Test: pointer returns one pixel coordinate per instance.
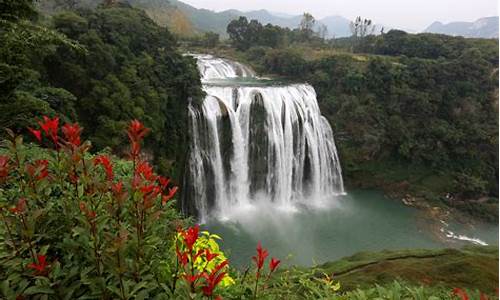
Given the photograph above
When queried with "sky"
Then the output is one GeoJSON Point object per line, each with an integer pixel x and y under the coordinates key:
{"type": "Point", "coordinates": [404, 14]}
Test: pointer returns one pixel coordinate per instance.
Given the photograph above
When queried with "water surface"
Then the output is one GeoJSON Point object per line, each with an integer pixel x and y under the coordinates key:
{"type": "Point", "coordinates": [362, 220]}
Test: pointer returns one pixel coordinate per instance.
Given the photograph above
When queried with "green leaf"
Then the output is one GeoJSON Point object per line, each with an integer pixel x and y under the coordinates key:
{"type": "Point", "coordinates": [139, 286]}
{"type": "Point", "coordinates": [33, 290]}
{"type": "Point", "coordinates": [6, 290]}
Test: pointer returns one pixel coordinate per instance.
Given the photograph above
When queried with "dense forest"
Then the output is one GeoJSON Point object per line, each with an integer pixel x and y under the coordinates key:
{"type": "Point", "coordinates": [98, 67]}
{"type": "Point", "coordinates": [415, 114]}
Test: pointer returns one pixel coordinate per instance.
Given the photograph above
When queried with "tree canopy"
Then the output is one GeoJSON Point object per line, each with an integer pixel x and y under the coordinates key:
{"type": "Point", "coordinates": [100, 68]}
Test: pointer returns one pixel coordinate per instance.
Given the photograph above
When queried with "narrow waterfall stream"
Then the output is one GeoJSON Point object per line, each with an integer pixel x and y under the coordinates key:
{"type": "Point", "coordinates": [257, 143]}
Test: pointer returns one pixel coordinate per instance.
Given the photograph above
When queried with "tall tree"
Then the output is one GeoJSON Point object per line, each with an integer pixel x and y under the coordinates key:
{"type": "Point", "coordinates": [322, 31]}
{"type": "Point", "coordinates": [306, 26]}
{"type": "Point", "coordinates": [361, 27]}
{"type": "Point", "coordinates": [237, 30]}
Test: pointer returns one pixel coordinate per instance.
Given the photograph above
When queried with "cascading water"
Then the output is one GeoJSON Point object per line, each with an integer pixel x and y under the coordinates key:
{"type": "Point", "coordinates": [219, 68]}
{"type": "Point", "coordinates": [257, 143]}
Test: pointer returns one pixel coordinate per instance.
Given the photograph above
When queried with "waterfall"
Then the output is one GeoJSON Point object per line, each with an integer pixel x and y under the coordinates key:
{"type": "Point", "coordinates": [257, 143]}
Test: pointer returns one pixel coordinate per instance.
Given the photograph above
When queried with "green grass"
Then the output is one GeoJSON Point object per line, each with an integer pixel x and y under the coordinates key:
{"type": "Point", "coordinates": [471, 267]}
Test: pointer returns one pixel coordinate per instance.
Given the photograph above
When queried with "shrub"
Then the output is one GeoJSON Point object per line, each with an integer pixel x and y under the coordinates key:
{"type": "Point", "coordinates": [77, 224]}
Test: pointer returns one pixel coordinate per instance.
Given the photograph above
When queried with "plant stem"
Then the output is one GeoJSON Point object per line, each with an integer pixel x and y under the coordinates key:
{"type": "Point", "coordinates": [30, 245]}
{"type": "Point", "coordinates": [122, 290]}
{"type": "Point", "coordinates": [256, 286]}
{"type": "Point", "coordinates": [9, 233]}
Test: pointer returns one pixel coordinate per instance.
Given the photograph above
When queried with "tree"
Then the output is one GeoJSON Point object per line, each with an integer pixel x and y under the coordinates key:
{"type": "Point", "coordinates": [361, 28]}
{"type": "Point", "coordinates": [306, 26]}
{"type": "Point", "coordinates": [66, 4]}
{"type": "Point", "coordinates": [13, 10]}
{"type": "Point", "coordinates": [272, 36]}
{"type": "Point", "coordinates": [322, 31]}
{"type": "Point", "coordinates": [253, 33]}
{"type": "Point", "coordinates": [237, 30]}
{"type": "Point", "coordinates": [211, 39]}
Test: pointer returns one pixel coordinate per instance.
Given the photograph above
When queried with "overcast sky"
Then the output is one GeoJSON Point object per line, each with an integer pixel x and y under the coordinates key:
{"type": "Point", "coordinates": [405, 14]}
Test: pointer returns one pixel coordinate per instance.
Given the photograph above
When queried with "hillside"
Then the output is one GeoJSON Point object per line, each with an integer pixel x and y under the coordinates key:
{"type": "Point", "coordinates": [469, 267]}
{"type": "Point", "coordinates": [481, 28]}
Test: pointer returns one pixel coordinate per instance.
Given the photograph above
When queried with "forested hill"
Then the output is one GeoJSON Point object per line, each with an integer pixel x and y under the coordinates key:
{"type": "Point", "coordinates": [99, 67]}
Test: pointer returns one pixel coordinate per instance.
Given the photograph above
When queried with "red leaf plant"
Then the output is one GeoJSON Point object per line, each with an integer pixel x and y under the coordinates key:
{"type": "Point", "coordinates": [213, 279]}
{"type": "Point", "coordinates": [460, 293]}
{"type": "Point", "coordinates": [20, 207]}
{"type": "Point", "coordinates": [170, 195]}
{"type": "Point", "coordinates": [136, 133]}
{"type": "Point", "coordinates": [4, 167]}
{"type": "Point", "coordinates": [190, 236]}
{"type": "Point", "coordinates": [39, 170]}
{"type": "Point", "coordinates": [71, 134]}
{"type": "Point", "coordinates": [36, 133]}
{"type": "Point", "coordinates": [259, 260]}
{"type": "Point", "coordinates": [186, 257]}
{"type": "Point", "coordinates": [104, 161]}
{"type": "Point", "coordinates": [50, 127]}
{"type": "Point", "coordinates": [273, 264]}
{"type": "Point", "coordinates": [209, 256]}
{"type": "Point", "coordinates": [41, 266]}
{"type": "Point", "coordinates": [118, 207]}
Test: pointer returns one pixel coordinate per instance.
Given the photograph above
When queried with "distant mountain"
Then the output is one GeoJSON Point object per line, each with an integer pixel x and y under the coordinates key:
{"type": "Point", "coordinates": [265, 17]}
{"type": "Point", "coordinates": [482, 28]}
{"type": "Point", "coordinates": [281, 15]}
{"type": "Point", "coordinates": [338, 26]}
{"type": "Point", "coordinates": [207, 20]}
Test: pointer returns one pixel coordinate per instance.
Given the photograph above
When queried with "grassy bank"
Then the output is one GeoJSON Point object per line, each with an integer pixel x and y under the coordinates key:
{"type": "Point", "coordinates": [472, 267]}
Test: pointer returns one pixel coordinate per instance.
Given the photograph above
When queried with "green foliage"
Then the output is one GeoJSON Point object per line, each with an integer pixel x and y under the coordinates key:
{"type": "Point", "coordinates": [244, 34]}
{"type": "Point", "coordinates": [132, 71]}
{"type": "Point", "coordinates": [99, 68]}
{"type": "Point", "coordinates": [211, 39]}
{"type": "Point", "coordinates": [23, 92]}
{"type": "Point", "coordinates": [473, 267]}
{"type": "Point", "coordinates": [426, 45]}
{"type": "Point", "coordinates": [13, 10]}
{"type": "Point", "coordinates": [399, 290]}
{"type": "Point", "coordinates": [75, 225]}
{"type": "Point", "coordinates": [286, 61]}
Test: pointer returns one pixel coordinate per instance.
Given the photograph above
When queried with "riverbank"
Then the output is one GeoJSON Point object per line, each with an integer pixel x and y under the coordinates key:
{"type": "Point", "coordinates": [424, 189]}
